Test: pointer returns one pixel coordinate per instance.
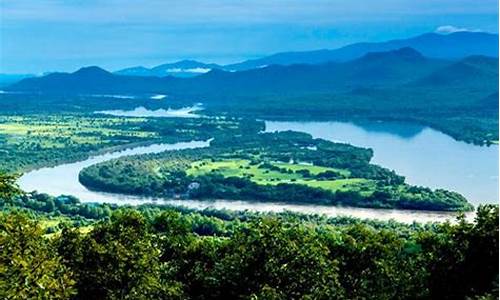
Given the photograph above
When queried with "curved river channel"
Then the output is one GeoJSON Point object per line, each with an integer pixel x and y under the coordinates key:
{"type": "Point", "coordinates": [63, 179]}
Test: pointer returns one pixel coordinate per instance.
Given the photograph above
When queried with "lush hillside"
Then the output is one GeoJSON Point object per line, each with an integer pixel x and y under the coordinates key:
{"type": "Point", "coordinates": [451, 46]}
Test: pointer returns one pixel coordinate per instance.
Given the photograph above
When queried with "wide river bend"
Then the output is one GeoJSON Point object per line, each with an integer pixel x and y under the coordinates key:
{"type": "Point", "coordinates": [401, 148]}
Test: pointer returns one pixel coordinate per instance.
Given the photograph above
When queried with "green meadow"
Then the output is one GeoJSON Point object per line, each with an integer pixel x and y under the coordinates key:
{"type": "Point", "coordinates": [288, 173]}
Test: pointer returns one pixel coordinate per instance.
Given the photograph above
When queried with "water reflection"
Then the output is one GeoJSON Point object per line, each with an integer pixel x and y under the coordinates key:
{"type": "Point", "coordinates": [424, 156]}
{"type": "Point", "coordinates": [63, 180]}
{"type": "Point", "coordinates": [184, 112]}
{"type": "Point", "coordinates": [400, 129]}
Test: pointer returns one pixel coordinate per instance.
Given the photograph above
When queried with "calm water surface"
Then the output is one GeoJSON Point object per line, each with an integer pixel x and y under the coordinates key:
{"type": "Point", "coordinates": [184, 112]}
{"type": "Point", "coordinates": [63, 180]}
{"type": "Point", "coordinates": [424, 156]}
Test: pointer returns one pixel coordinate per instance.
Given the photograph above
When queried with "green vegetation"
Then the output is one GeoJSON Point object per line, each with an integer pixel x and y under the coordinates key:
{"type": "Point", "coordinates": [460, 113]}
{"type": "Point", "coordinates": [60, 248]}
{"type": "Point", "coordinates": [277, 173]}
{"type": "Point", "coordinates": [286, 166]}
{"type": "Point", "coordinates": [155, 252]}
{"type": "Point", "coordinates": [32, 141]}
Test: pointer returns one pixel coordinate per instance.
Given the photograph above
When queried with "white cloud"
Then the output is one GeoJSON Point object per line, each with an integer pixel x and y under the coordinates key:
{"type": "Point", "coordinates": [192, 70]}
{"type": "Point", "coordinates": [446, 29]}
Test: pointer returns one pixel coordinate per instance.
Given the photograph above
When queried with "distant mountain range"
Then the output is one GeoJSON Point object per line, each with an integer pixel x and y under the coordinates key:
{"type": "Point", "coordinates": [476, 69]}
{"type": "Point", "coordinates": [87, 80]}
{"type": "Point", "coordinates": [445, 46]}
{"type": "Point", "coordinates": [457, 96]}
{"type": "Point", "coordinates": [183, 68]}
{"type": "Point", "coordinates": [401, 67]}
{"type": "Point", "coordinates": [452, 46]}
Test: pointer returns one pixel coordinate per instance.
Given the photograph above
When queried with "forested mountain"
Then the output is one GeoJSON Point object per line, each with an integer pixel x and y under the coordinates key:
{"type": "Point", "coordinates": [445, 46]}
{"type": "Point", "coordinates": [472, 70]}
{"type": "Point", "coordinates": [375, 68]}
{"type": "Point", "coordinates": [367, 80]}
{"type": "Point", "coordinates": [451, 46]}
{"type": "Point", "coordinates": [88, 80]}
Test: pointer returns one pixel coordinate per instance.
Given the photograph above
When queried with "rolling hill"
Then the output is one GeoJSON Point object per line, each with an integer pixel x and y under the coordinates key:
{"type": "Point", "coordinates": [88, 80]}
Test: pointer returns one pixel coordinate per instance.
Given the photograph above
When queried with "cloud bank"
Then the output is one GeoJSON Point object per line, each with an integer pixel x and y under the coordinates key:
{"type": "Point", "coordinates": [447, 29]}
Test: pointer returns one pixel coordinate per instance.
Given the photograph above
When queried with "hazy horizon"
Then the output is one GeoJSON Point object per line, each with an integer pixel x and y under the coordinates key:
{"type": "Point", "coordinates": [47, 35]}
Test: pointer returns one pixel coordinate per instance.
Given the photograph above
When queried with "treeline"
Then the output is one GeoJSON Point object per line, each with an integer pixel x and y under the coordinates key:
{"type": "Point", "coordinates": [165, 175]}
{"type": "Point", "coordinates": [400, 196]}
{"type": "Point", "coordinates": [136, 256]}
{"type": "Point", "coordinates": [216, 221]}
{"type": "Point", "coordinates": [158, 252]}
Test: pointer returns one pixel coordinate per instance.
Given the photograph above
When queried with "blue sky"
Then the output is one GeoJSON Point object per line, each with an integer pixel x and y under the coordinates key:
{"type": "Point", "coordinates": [63, 35]}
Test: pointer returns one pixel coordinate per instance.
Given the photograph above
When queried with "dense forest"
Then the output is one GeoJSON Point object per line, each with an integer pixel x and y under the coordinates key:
{"type": "Point", "coordinates": [283, 166]}
{"type": "Point", "coordinates": [154, 252]}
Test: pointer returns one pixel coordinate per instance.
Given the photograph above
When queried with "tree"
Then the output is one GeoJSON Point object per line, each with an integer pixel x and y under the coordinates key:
{"type": "Point", "coordinates": [8, 187]}
{"type": "Point", "coordinates": [29, 267]}
{"type": "Point", "coordinates": [119, 260]}
{"type": "Point", "coordinates": [288, 257]}
{"type": "Point", "coordinates": [462, 259]}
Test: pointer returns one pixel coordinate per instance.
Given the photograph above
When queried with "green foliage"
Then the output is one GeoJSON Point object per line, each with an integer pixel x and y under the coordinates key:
{"type": "Point", "coordinates": [29, 266]}
{"type": "Point", "coordinates": [468, 262]}
{"type": "Point", "coordinates": [8, 187]}
{"type": "Point", "coordinates": [116, 260]}
{"type": "Point", "coordinates": [152, 252]}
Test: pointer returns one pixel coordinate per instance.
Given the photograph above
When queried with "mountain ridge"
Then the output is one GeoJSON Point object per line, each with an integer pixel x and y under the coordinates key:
{"type": "Point", "coordinates": [395, 67]}
{"type": "Point", "coordinates": [450, 46]}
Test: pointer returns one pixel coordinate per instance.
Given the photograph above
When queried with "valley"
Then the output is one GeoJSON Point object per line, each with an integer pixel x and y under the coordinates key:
{"type": "Point", "coordinates": [159, 151]}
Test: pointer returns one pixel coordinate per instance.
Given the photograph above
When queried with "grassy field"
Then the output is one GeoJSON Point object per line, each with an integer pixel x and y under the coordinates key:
{"type": "Point", "coordinates": [259, 175]}
{"type": "Point", "coordinates": [61, 131]}
{"type": "Point", "coordinates": [32, 141]}
{"type": "Point", "coordinates": [312, 169]}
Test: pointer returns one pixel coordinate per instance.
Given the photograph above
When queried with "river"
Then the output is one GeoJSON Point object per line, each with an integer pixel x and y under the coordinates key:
{"type": "Point", "coordinates": [399, 142]}
{"type": "Point", "coordinates": [423, 155]}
